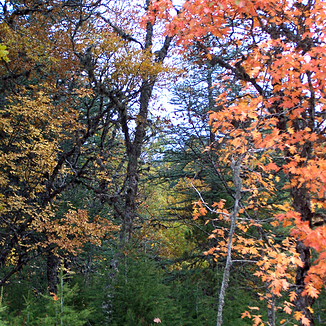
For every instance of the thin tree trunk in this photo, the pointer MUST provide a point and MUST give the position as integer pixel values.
(211, 101)
(270, 305)
(235, 165)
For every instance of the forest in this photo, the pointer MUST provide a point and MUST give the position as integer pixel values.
(162, 162)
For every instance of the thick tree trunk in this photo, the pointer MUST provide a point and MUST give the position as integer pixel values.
(301, 203)
(52, 272)
(134, 144)
(134, 150)
(126, 205)
(302, 303)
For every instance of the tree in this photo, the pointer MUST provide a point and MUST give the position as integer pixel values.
(138, 111)
(41, 137)
(280, 112)
(75, 91)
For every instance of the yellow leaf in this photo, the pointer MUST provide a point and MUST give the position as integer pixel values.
(4, 53)
(253, 308)
(310, 309)
(297, 315)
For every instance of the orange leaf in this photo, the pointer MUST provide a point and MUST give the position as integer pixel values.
(305, 320)
(293, 295)
(245, 314)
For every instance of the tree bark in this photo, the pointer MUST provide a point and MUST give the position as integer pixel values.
(211, 101)
(52, 272)
(270, 305)
(301, 203)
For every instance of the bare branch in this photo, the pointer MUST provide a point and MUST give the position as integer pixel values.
(120, 32)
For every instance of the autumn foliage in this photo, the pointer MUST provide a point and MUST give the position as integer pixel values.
(276, 124)
(77, 80)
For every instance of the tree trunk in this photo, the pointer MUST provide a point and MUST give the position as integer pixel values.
(134, 146)
(134, 150)
(211, 101)
(302, 303)
(301, 203)
(52, 272)
(270, 305)
(235, 165)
